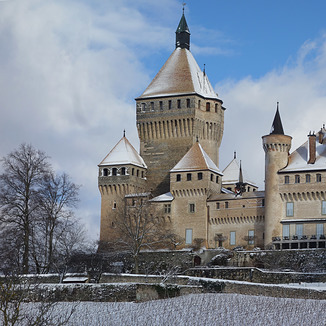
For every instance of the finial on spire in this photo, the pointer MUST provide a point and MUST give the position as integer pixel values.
(234, 154)
(183, 7)
(124, 132)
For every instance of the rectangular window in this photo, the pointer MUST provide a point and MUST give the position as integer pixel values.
(286, 179)
(297, 179)
(167, 208)
(170, 104)
(319, 230)
(215, 108)
(200, 175)
(212, 177)
(217, 179)
(323, 207)
(251, 237)
(188, 176)
(179, 104)
(143, 107)
(188, 102)
(178, 177)
(307, 178)
(217, 205)
(152, 106)
(289, 209)
(232, 238)
(226, 204)
(188, 236)
(299, 230)
(286, 231)
(161, 105)
(263, 202)
(191, 208)
(318, 177)
(208, 106)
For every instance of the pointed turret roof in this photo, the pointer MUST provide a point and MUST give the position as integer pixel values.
(196, 159)
(277, 127)
(182, 34)
(233, 174)
(180, 75)
(123, 153)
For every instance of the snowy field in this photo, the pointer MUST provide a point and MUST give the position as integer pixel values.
(198, 309)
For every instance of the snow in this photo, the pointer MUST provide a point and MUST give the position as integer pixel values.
(123, 153)
(231, 174)
(197, 309)
(299, 158)
(180, 75)
(165, 197)
(196, 159)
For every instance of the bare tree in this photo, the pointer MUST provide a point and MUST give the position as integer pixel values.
(57, 196)
(137, 228)
(24, 170)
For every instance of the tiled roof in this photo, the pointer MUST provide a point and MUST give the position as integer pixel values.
(180, 75)
(123, 153)
(196, 159)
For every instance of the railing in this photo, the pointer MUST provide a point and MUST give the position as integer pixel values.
(303, 237)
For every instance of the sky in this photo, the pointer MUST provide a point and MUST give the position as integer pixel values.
(70, 71)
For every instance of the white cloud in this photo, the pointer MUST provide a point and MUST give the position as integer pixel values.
(251, 104)
(69, 71)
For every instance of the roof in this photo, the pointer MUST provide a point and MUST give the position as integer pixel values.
(245, 195)
(183, 26)
(180, 75)
(231, 174)
(299, 158)
(123, 153)
(163, 198)
(277, 127)
(196, 159)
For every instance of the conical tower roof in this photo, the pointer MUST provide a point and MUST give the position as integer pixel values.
(196, 159)
(123, 153)
(180, 75)
(277, 127)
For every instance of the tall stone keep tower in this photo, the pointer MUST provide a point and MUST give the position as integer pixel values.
(121, 172)
(177, 108)
(276, 146)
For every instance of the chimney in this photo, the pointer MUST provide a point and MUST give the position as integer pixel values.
(311, 148)
(321, 135)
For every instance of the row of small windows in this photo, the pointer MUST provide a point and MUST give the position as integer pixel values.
(250, 238)
(122, 171)
(226, 204)
(199, 177)
(290, 208)
(298, 178)
(299, 232)
(151, 106)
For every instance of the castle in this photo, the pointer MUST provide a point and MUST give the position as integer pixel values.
(180, 122)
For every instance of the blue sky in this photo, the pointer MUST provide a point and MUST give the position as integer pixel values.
(70, 70)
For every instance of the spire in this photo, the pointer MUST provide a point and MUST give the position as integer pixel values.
(277, 128)
(182, 34)
(240, 186)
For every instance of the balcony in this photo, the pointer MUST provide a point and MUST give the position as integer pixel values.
(299, 242)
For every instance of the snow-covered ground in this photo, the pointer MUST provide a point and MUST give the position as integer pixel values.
(198, 309)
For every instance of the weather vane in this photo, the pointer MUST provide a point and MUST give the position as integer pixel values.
(183, 6)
